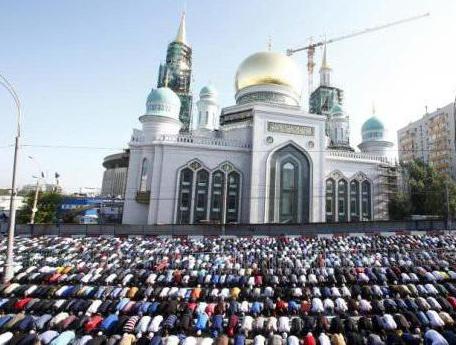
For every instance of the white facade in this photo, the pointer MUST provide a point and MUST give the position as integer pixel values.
(262, 160)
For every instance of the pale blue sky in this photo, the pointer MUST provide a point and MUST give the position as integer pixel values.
(83, 68)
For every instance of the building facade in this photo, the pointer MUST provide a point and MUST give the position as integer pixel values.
(115, 175)
(431, 139)
(262, 160)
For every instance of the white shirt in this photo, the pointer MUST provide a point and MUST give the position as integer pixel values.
(292, 340)
(284, 324)
(435, 319)
(258, 340)
(323, 339)
(435, 337)
(155, 324)
(388, 322)
(247, 323)
(189, 341)
(317, 305)
(172, 340)
(5, 337)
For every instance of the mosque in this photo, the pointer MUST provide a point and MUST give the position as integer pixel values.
(263, 159)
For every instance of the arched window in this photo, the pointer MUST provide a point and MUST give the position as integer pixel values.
(288, 205)
(354, 201)
(330, 200)
(366, 200)
(289, 189)
(185, 196)
(143, 179)
(217, 196)
(232, 204)
(201, 191)
(342, 195)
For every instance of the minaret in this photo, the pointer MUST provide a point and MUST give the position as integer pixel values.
(176, 72)
(325, 71)
(208, 116)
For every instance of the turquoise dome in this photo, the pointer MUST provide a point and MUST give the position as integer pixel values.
(372, 129)
(163, 102)
(208, 91)
(372, 124)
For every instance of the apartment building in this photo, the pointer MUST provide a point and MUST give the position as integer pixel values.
(431, 139)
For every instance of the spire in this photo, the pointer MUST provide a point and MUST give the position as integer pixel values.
(324, 63)
(181, 33)
(325, 70)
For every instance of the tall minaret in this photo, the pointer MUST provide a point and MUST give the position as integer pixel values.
(176, 73)
(325, 71)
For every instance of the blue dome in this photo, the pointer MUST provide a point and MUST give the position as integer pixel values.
(372, 124)
(372, 130)
(208, 91)
(163, 102)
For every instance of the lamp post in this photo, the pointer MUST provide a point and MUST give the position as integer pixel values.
(37, 190)
(8, 270)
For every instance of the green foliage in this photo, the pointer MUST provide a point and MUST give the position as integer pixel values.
(427, 193)
(48, 204)
(399, 207)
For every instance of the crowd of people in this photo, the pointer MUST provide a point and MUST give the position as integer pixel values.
(398, 289)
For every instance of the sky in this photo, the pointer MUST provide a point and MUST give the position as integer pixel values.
(83, 68)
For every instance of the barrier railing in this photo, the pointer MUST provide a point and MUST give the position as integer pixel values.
(312, 229)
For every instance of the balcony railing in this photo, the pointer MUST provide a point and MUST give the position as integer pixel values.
(358, 155)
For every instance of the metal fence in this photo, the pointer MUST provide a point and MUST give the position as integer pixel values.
(312, 229)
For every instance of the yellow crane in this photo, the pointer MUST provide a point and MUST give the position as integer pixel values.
(311, 47)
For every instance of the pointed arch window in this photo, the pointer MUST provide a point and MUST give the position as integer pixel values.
(143, 178)
(217, 196)
(288, 204)
(330, 200)
(185, 196)
(354, 201)
(201, 195)
(366, 200)
(342, 196)
(232, 204)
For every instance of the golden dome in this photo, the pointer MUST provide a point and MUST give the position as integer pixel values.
(269, 68)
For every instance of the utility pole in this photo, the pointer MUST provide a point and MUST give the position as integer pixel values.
(8, 271)
(447, 198)
(35, 201)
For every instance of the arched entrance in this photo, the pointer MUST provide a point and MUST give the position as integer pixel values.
(289, 187)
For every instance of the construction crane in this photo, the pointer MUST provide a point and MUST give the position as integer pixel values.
(311, 47)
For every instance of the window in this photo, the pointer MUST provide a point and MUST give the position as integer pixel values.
(201, 192)
(232, 212)
(218, 195)
(185, 196)
(143, 179)
(366, 200)
(354, 201)
(342, 201)
(330, 191)
(288, 192)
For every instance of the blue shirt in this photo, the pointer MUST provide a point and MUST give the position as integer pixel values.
(201, 321)
(109, 322)
(239, 339)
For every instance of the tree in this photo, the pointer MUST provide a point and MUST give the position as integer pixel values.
(427, 193)
(399, 207)
(48, 206)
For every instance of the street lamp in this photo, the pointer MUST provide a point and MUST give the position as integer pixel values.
(37, 189)
(8, 270)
